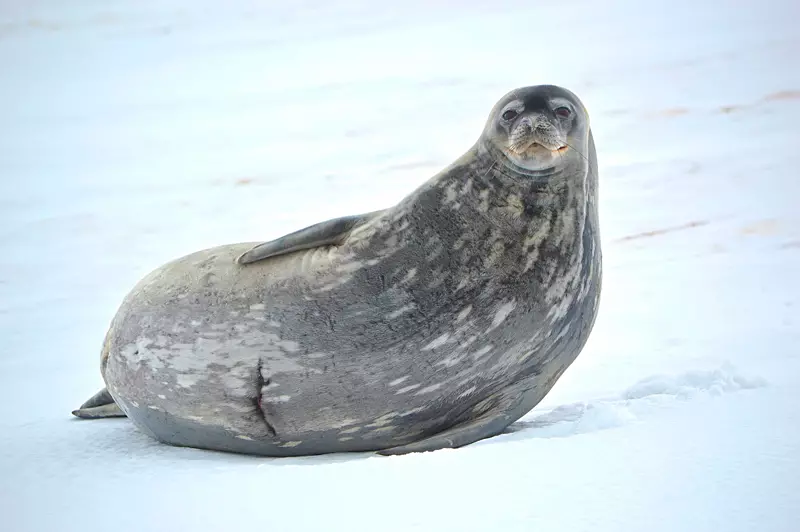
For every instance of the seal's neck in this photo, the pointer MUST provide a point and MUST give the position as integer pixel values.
(487, 187)
(477, 201)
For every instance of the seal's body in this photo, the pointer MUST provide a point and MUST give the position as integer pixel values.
(431, 324)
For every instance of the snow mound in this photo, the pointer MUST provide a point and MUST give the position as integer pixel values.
(641, 399)
(689, 384)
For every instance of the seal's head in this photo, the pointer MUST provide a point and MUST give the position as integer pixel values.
(538, 130)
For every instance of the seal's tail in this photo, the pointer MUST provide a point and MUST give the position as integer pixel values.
(100, 405)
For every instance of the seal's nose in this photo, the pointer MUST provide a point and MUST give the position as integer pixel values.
(543, 131)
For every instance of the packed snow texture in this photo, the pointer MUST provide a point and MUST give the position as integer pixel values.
(136, 132)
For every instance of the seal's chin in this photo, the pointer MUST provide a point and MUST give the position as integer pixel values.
(536, 157)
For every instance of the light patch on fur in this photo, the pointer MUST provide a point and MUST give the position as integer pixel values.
(463, 314)
(407, 389)
(154, 407)
(140, 352)
(450, 361)
(560, 309)
(276, 399)
(402, 310)
(495, 254)
(466, 392)
(483, 206)
(381, 430)
(450, 194)
(350, 267)
(399, 381)
(533, 241)
(502, 314)
(383, 421)
(161, 341)
(409, 276)
(271, 386)
(351, 430)
(243, 437)
(514, 205)
(559, 289)
(438, 342)
(412, 411)
(468, 342)
(346, 438)
(392, 241)
(288, 345)
(237, 382)
(187, 380)
(192, 364)
(564, 331)
(467, 187)
(482, 351)
(343, 423)
(429, 389)
(317, 355)
(195, 418)
(162, 396)
(257, 306)
(335, 284)
(290, 444)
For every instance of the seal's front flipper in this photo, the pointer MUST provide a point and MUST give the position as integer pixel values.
(328, 233)
(489, 424)
(100, 405)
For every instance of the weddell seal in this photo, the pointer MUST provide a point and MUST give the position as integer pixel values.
(431, 324)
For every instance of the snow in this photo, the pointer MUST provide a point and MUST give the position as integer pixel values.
(133, 133)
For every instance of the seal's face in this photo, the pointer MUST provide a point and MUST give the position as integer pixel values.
(537, 129)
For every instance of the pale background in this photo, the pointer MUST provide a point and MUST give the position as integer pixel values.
(134, 132)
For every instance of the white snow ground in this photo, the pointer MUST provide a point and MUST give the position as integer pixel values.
(135, 132)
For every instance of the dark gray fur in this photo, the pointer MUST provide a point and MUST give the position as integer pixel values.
(391, 339)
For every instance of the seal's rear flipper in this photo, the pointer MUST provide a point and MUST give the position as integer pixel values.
(328, 233)
(490, 424)
(100, 405)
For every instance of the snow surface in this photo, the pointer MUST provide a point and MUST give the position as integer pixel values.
(135, 132)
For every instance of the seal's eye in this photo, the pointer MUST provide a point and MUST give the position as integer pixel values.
(510, 114)
(563, 112)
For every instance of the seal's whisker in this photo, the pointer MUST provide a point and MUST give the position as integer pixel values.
(594, 171)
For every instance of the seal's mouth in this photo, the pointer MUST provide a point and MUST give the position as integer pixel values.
(532, 149)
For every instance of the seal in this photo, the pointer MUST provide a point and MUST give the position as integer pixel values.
(431, 324)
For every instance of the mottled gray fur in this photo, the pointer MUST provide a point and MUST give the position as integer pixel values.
(434, 323)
